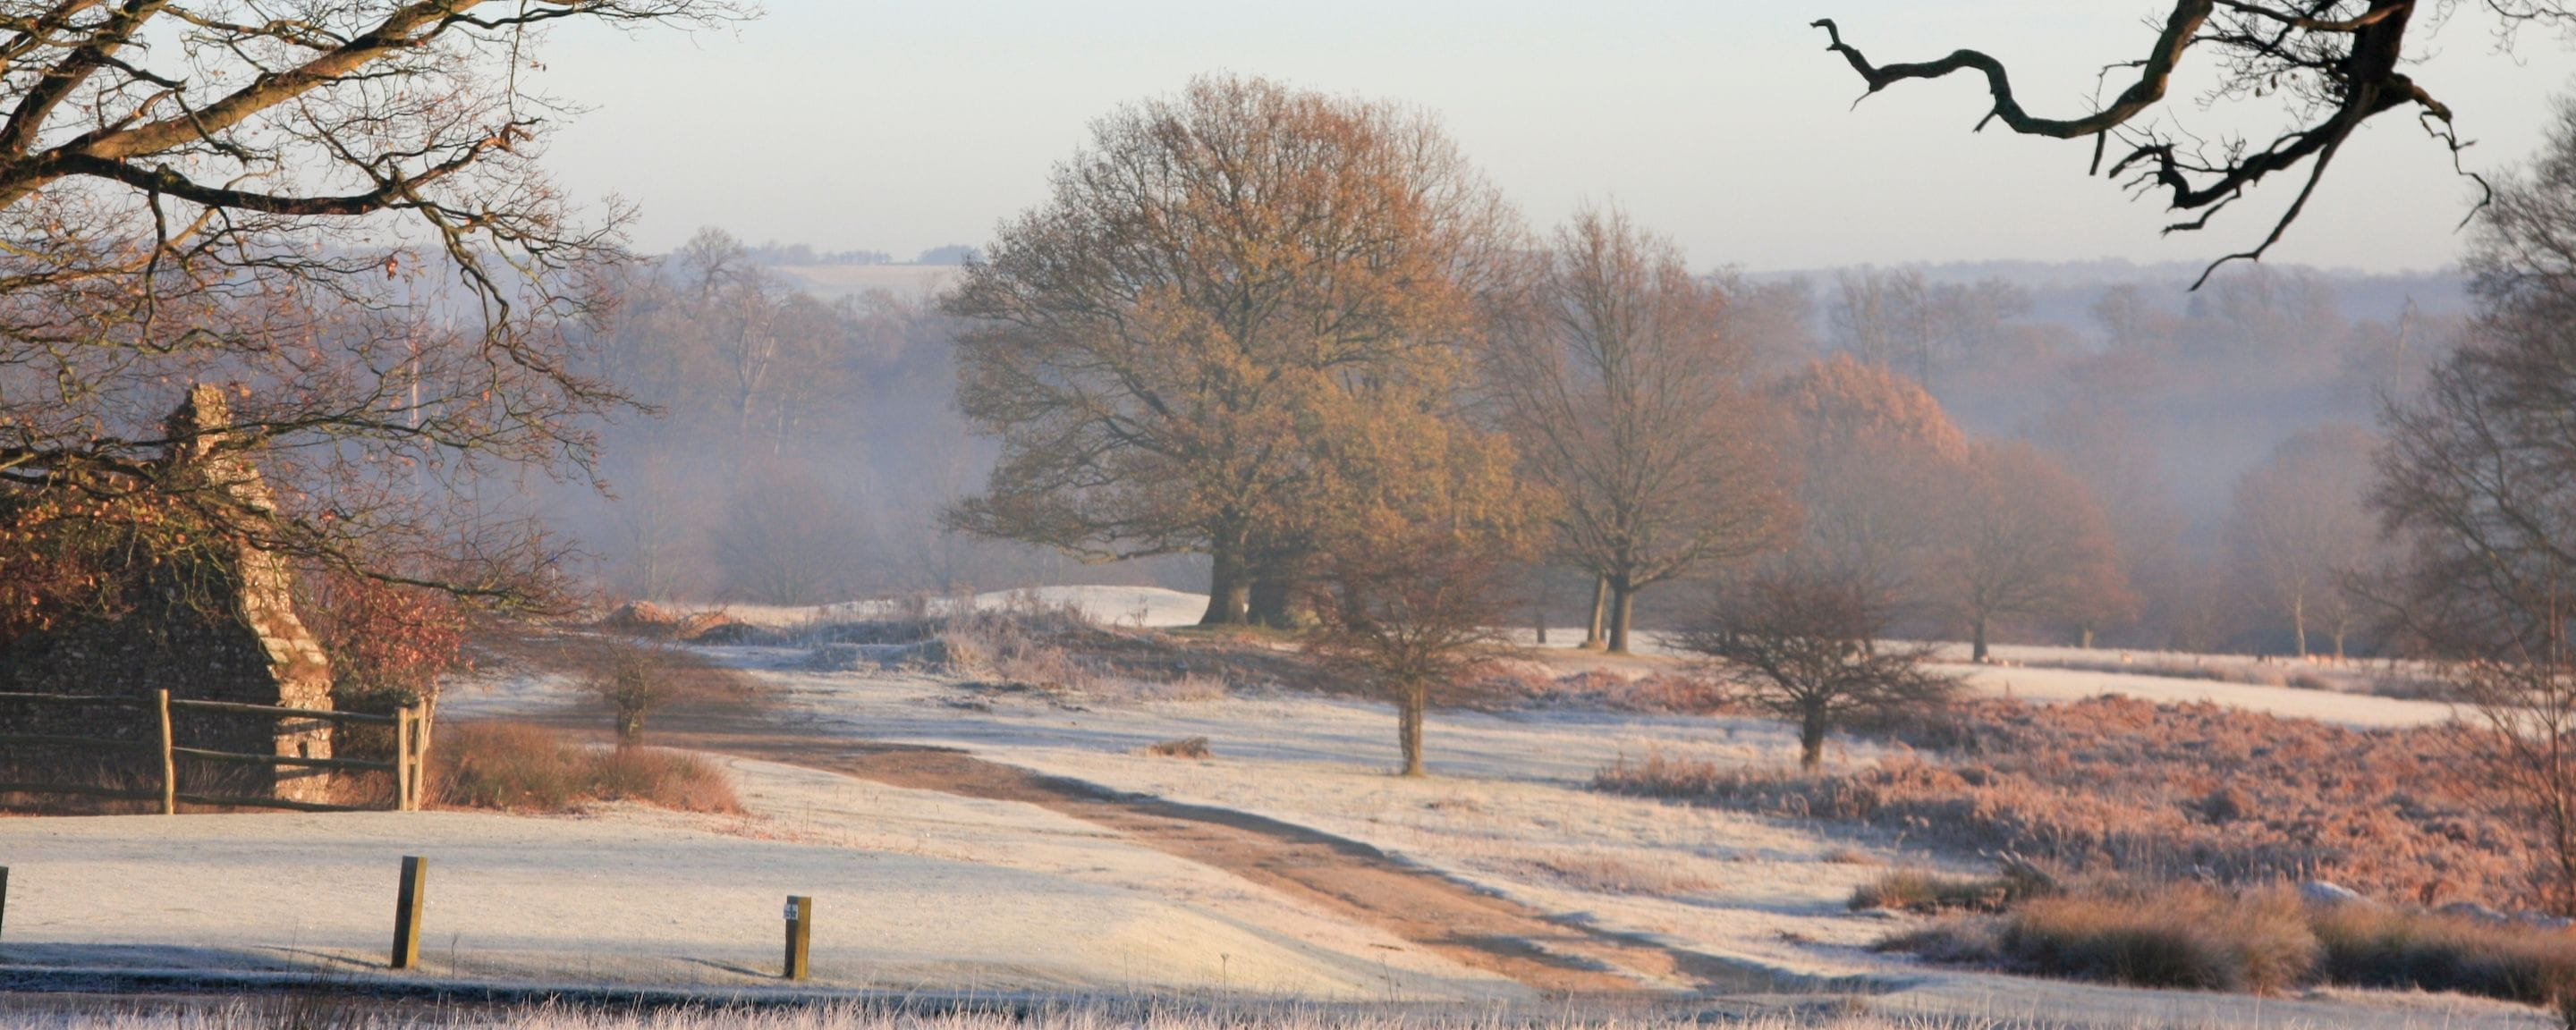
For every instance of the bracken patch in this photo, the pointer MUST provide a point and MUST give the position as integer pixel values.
(2118, 786)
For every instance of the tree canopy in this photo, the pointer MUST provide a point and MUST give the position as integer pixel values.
(1160, 346)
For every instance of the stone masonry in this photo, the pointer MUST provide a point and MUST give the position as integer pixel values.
(228, 632)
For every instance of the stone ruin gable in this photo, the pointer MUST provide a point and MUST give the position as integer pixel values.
(223, 633)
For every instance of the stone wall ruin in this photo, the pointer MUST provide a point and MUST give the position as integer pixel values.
(215, 628)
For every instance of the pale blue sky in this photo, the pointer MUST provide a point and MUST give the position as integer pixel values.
(899, 125)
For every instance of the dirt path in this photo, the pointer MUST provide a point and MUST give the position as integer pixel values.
(1336, 875)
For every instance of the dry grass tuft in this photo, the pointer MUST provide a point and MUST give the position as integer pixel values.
(1524, 685)
(2262, 940)
(2181, 936)
(1915, 890)
(1186, 747)
(2410, 948)
(520, 767)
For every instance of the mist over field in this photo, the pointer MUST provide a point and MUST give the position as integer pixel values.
(807, 442)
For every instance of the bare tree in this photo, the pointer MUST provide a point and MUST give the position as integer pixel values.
(334, 203)
(2478, 487)
(769, 344)
(656, 528)
(2025, 540)
(1896, 318)
(1410, 616)
(2299, 524)
(1630, 405)
(1210, 267)
(1884, 318)
(2332, 64)
(1805, 644)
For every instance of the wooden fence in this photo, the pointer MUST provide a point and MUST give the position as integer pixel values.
(410, 744)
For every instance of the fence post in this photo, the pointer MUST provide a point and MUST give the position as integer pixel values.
(800, 935)
(407, 902)
(402, 759)
(419, 755)
(169, 763)
(4, 894)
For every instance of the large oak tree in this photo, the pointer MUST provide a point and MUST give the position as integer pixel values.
(1153, 345)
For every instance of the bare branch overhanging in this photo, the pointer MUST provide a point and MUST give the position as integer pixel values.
(335, 207)
(2334, 63)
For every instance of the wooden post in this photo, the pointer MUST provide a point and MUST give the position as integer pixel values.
(4, 894)
(800, 935)
(169, 764)
(419, 755)
(402, 760)
(407, 901)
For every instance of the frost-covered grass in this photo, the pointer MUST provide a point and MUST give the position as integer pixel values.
(329, 1013)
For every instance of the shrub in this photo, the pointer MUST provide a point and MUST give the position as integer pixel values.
(635, 682)
(521, 767)
(665, 779)
(504, 765)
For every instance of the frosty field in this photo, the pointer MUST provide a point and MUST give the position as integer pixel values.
(925, 886)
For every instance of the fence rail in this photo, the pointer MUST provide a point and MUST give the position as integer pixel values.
(410, 745)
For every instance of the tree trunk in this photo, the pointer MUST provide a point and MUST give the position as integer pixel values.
(1600, 613)
(1268, 602)
(1538, 612)
(1229, 585)
(2338, 639)
(1409, 709)
(2087, 642)
(1622, 602)
(1977, 649)
(2299, 623)
(1811, 740)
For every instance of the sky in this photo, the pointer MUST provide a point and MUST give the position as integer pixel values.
(900, 125)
